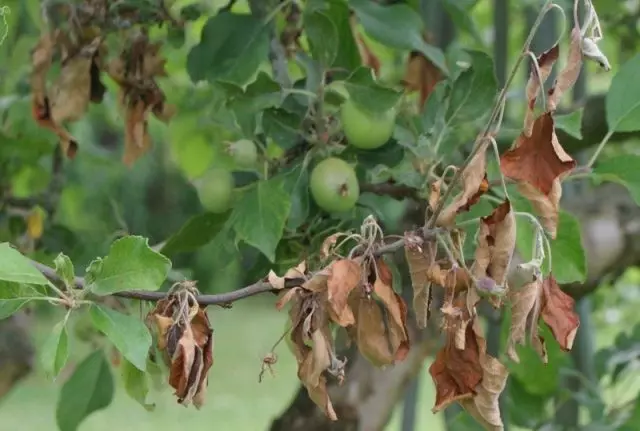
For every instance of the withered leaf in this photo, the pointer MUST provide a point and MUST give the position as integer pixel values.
(420, 257)
(538, 159)
(525, 310)
(456, 373)
(372, 337)
(558, 313)
(292, 273)
(545, 65)
(474, 184)
(569, 75)
(344, 276)
(547, 207)
(496, 243)
(421, 75)
(484, 405)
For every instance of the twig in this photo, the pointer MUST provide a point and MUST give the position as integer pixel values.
(482, 141)
(223, 299)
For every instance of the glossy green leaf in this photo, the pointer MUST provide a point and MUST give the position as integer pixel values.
(130, 265)
(64, 269)
(55, 350)
(263, 93)
(322, 35)
(570, 123)
(623, 169)
(260, 215)
(461, 17)
(296, 183)
(89, 389)
(136, 384)
(348, 56)
(623, 98)
(231, 48)
(368, 94)
(397, 26)
(128, 333)
(196, 232)
(15, 267)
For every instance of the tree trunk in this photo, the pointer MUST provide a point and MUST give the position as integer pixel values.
(16, 352)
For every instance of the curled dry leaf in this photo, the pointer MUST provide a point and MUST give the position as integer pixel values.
(525, 311)
(545, 65)
(454, 280)
(344, 276)
(569, 75)
(474, 184)
(135, 72)
(558, 313)
(484, 406)
(313, 348)
(186, 341)
(538, 159)
(367, 56)
(421, 75)
(292, 273)
(496, 243)
(420, 257)
(547, 207)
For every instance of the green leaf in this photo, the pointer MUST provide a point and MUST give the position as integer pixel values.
(622, 169)
(14, 296)
(196, 232)
(461, 17)
(136, 384)
(17, 268)
(322, 35)
(368, 94)
(569, 263)
(570, 123)
(282, 126)
(623, 98)
(474, 90)
(130, 264)
(55, 350)
(231, 48)
(260, 215)
(130, 336)
(65, 270)
(261, 94)
(296, 183)
(89, 389)
(397, 26)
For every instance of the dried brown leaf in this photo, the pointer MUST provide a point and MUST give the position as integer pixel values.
(474, 184)
(525, 310)
(292, 273)
(456, 373)
(547, 207)
(569, 75)
(344, 276)
(496, 243)
(420, 258)
(421, 75)
(371, 333)
(538, 159)
(545, 65)
(484, 406)
(558, 313)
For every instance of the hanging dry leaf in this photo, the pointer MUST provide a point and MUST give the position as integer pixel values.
(456, 373)
(421, 75)
(525, 310)
(420, 257)
(454, 280)
(292, 274)
(569, 75)
(558, 313)
(372, 337)
(547, 207)
(484, 406)
(545, 65)
(496, 243)
(344, 276)
(538, 159)
(474, 184)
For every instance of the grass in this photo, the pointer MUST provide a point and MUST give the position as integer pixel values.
(235, 399)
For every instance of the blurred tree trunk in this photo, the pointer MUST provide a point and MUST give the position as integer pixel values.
(16, 352)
